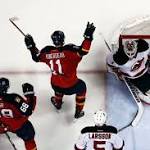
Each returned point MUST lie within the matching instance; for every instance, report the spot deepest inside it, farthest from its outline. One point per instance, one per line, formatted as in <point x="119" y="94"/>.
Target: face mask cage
<point x="130" y="48"/>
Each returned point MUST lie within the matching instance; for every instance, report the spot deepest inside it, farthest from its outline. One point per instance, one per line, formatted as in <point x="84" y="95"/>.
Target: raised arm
<point x="31" y="46"/>
<point x="88" y="37"/>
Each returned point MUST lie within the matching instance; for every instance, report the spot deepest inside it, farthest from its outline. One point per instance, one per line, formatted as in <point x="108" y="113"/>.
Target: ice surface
<point x="56" y="130"/>
<point x="40" y="18"/>
<point x="121" y="109"/>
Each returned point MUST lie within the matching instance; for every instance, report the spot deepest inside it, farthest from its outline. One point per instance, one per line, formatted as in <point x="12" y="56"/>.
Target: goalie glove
<point x="90" y="28"/>
<point x="27" y="89"/>
<point x="29" y="42"/>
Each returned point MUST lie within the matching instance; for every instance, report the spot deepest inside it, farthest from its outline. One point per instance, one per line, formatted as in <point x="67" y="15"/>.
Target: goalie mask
<point x="130" y="48"/>
<point x="58" y="38"/>
<point x="100" y="118"/>
<point x="4" y="85"/>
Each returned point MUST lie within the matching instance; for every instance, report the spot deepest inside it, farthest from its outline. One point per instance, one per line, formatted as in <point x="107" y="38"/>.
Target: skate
<point x="56" y="104"/>
<point x="78" y="114"/>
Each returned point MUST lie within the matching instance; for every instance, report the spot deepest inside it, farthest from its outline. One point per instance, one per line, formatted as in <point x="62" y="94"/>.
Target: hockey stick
<point x="11" y="142"/>
<point x="106" y="43"/>
<point x="134" y="93"/>
<point x="8" y="137"/>
<point x="12" y="21"/>
<point x="140" y="110"/>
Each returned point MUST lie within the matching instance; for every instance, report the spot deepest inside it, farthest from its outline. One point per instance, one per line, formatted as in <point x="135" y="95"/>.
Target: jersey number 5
<point x="99" y="145"/>
<point x="58" y="69"/>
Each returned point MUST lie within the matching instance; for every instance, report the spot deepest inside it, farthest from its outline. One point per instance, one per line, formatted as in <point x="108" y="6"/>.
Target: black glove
<point x="29" y="41"/>
<point x="121" y="47"/>
<point x="90" y="28"/>
<point x="27" y="89"/>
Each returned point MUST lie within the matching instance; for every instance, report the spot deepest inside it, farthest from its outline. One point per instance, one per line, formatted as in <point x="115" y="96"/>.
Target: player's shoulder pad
<point x="47" y="49"/>
<point x="13" y="98"/>
<point x="104" y="128"/>
<point x="111" y="129"/>
<point x="142" y="45"/>
<point x="88" y="129"/>
<point x="71" y="47"/>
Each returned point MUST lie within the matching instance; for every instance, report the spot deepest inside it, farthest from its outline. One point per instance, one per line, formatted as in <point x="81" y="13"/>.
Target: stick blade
<point x="14" y="18"/>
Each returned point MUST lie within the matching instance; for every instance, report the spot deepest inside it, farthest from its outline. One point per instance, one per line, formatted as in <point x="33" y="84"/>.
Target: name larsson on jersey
<point x="99" y="135"/>
<point x="55" y="55"/>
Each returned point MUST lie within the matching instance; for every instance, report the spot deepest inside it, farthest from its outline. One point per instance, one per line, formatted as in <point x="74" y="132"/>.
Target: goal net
<point x="134" y="28"/>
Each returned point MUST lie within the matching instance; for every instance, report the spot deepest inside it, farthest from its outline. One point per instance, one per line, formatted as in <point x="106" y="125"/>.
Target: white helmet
<point x="130" y="48"/>
<point x="100" y="118"/>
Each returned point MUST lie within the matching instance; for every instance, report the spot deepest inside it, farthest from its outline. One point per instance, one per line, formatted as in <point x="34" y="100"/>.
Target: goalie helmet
<point x="100" y="118"/>
<point x="130" y="48"/>
<point x="4" y="85"/>
<point x="58" y="38"/>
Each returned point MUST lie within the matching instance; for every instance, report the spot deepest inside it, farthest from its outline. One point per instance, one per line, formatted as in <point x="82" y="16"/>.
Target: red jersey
<point x="14" y="110"/>
<point x="63" y="62"/>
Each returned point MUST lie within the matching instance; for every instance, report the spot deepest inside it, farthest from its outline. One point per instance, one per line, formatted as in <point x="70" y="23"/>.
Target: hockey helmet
<point x="100" y="118"/>
<point x="58" y="38"/>
<point x="130" y="48"/>
<point x="4" y="85"/>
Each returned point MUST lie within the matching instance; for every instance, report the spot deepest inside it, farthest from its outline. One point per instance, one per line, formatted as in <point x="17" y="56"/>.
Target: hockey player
<point x="63" y="61"/>
<point x="100" y="136"/>
<point x="131" y="61"/>
<point x="15" y="111"/>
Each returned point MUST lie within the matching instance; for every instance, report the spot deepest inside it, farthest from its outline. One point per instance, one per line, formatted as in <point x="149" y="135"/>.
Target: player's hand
<point x="90" y="28"/>
<point x="29" y="41"/>
<point x="27" y="89"/>
<point x="3" y="129"/>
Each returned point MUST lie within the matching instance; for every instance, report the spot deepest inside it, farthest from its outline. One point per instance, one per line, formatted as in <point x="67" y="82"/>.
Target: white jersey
<point x="133" y="68"/>
<point x="99" y="138"/>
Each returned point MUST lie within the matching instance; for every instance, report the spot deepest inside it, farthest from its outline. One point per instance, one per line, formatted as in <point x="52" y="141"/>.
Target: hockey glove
<point x="90" y="28"/>
<point x="121" y="47"/>
<point x="3" y="129"/>
<point x="29" y="42"/>
<point x="27" y="89"/>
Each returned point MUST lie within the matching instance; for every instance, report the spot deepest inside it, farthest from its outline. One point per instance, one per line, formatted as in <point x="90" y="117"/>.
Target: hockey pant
<point x="79" y="89"/>
<point x="27" y="133"/>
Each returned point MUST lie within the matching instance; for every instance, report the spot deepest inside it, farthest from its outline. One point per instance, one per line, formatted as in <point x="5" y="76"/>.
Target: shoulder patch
<point x="13" y="98"/>
<point x="18" y="99"/>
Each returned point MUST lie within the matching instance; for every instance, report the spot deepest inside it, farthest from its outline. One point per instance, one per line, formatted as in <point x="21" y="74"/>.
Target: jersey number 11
<point x="58" y="69"/>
